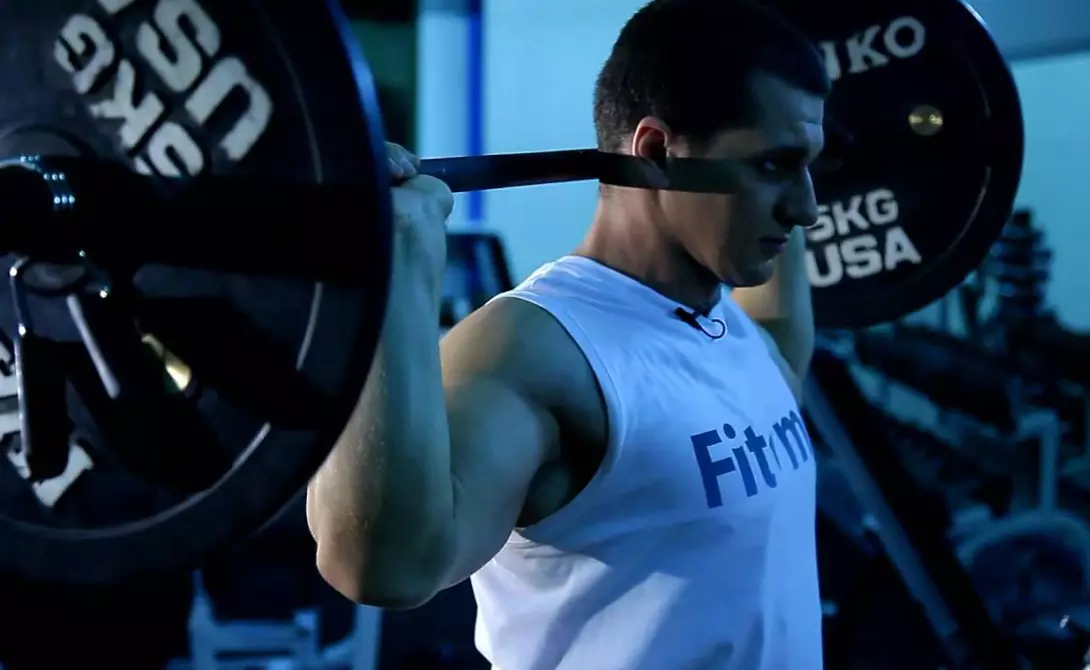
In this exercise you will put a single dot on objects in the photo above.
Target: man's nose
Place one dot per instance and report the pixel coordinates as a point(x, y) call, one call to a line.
point(799, 206)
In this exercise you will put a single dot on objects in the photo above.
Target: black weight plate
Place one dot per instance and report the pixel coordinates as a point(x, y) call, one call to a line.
point(1026, 575)
point(278, 363)
point(952, 176)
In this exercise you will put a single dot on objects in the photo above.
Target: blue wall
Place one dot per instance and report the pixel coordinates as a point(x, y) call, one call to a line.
point(542, 59)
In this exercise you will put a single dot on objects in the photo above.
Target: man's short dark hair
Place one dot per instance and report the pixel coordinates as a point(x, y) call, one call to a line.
point(690, 62)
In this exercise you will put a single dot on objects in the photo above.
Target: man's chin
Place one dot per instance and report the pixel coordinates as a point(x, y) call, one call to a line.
point(751, 276)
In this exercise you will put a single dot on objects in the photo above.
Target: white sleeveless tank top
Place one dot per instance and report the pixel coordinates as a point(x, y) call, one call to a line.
point(693, 547)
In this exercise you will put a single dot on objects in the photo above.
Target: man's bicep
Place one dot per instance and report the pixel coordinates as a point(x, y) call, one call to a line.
point(508, 370)
point(499, 440)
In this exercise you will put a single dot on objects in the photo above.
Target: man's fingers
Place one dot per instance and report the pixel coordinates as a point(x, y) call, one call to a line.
point(403, 172)
point(403, 164)
point(395, 170)
point(437, 192)
point(401, 169)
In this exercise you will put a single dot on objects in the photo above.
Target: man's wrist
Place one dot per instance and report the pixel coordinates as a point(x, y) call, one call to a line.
point(417, 272)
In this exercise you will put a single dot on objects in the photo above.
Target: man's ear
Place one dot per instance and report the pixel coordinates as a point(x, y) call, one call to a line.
point(651, 140)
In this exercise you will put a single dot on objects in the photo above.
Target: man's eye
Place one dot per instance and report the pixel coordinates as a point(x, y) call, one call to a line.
point(770, 166)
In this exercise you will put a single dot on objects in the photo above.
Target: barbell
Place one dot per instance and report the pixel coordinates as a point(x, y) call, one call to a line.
point(198, 239)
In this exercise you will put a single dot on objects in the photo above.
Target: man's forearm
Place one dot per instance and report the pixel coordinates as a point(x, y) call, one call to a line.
point(381, 505)
point(782, 306)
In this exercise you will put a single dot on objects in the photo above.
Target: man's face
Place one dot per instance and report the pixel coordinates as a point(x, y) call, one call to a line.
point(736, 237)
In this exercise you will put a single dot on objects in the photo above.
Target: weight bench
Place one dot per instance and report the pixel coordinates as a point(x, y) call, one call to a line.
point(242, 645)
point(279, 645)
point(264, 605)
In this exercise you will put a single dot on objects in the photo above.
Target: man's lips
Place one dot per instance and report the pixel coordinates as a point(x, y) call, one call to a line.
point(776, 243)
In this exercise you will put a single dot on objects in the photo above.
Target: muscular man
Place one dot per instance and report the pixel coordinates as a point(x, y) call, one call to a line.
point(628, 486)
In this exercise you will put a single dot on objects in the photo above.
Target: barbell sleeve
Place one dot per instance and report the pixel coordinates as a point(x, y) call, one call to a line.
point(74, 210)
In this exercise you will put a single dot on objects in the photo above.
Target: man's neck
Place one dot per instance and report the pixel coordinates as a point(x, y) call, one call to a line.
point(629, 240)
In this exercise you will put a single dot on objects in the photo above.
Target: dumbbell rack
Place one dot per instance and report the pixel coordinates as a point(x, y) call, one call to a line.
point(914, 541)
point(988, 402)
point(1024, 329)
point(1018, 267)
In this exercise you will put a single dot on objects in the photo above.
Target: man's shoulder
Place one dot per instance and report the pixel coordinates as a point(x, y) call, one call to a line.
point(794, 382)
point(522, 344)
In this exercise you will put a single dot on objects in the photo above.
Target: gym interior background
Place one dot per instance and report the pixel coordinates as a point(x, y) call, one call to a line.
point(463, 77)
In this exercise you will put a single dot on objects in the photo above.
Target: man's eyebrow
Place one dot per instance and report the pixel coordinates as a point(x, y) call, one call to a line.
point(791, 152)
